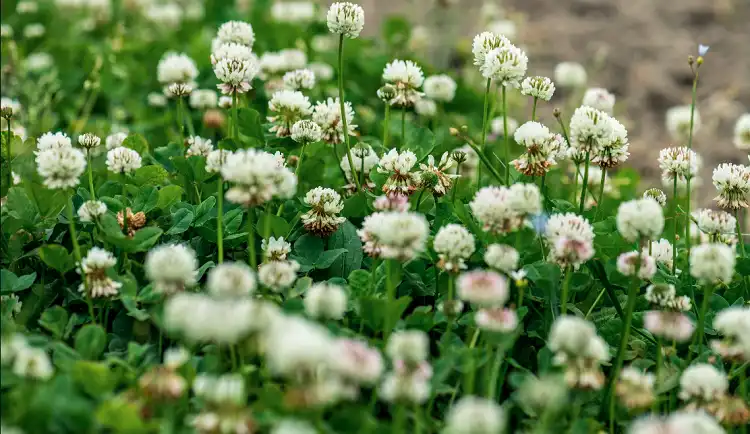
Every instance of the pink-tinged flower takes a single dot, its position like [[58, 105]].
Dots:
[[669, 325], [497, 319], [571, 252], [357, 362], [483, 287], [392, 202], [627, 262], [421, 370]]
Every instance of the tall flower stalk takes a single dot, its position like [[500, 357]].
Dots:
[[77, 253], [485, 122], [386, 125], [585, 183], [220, 217], [674, 233], [343, 112], [698, 63]]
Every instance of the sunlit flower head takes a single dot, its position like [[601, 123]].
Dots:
[[347, 19], [327, 114], [454, 244], [733, 183], [171, 268]]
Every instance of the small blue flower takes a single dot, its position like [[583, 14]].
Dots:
[[539, 223], [703, 49]]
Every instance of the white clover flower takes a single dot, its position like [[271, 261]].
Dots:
[[238, 32], [299, 79], [702, 382], [590, 130], [322, 71], [538, 87], [399, 235], [496, 319], [407, 388], [357, 362], [407, 77], [657, 195], [570, 238], [712, 263], [398, 166], [322, 219], [679, 162], [171, 268], [497, 126], [734, 323], [437, 178], [9, 107], [156, 100], [90, 143], [661, 251], [292, 426], [484, 43], [278, 275], [364, 159], [235, 75], [179, 90], [484, 288], [53, 141], [628, 262], [33, 363], [506, 65], [665, 296], [60, 167], [327, 114], [714, 222], [693, 422], [276, 249], [231, 50], [600, 99], [640, 219], [425, 107], [176, 68], [571, 335], [473, 415], [576, 346], [305, 132], [167, 15], [257, 177], [231, 279], [202, 99], [542, 148], [325, 301], [454, 244], [742, 132], [216, 160], [733, 183], [298, 347], [198, 146], [409, 346], [225, 102], [440, 88], [346, 19], [502, 257], [635, 388], [293, 12], [570, 74], [289, 107], [123, 160], [668, 325], [502, 210], [201, 318], [91, 210], [94, 270], [678, 122], [614, 151]]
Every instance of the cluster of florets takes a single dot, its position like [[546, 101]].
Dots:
[[543, 149], [394, 235], [323, 217], [570, 238], [257, 177], [504, 209], [580, 350]]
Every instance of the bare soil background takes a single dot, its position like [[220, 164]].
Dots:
[[642, 47]]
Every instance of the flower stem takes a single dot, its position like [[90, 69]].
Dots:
[[533, 109], [498, 363], [386, 125], [690, 146], [403, 127], [505, 133], [596, 302], [659, 363], [91, 176], [234, 130], [220, 217], [601, 192], [740, 240], [419, 200], [77, 253], [674, 234], [707, 290], [342, 104], [10, 166], [585, 183], [390, 286], [575, 184], [180, 120], [251, 240], [566, 286], [485, 122]]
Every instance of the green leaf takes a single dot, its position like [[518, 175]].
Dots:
[[150, 175], [57, 257], [94, 378], [396, 31], [113, 204], [327, 258], [132, 307], [9, 282], [743, 266], [359, 282], [90, 341], [278, 225], [121, 416], [168, 196], [232, 221], [136, 142], [356, 206], [308, 247], [144, 239], [203, 210], [346, 238], [202, 270], [54, 319], [374, 311], [181, 221], [147, 199], [49, 202], [250, 125], [19, 206], [421, 140]]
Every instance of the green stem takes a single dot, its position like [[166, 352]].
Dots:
[[8, 142], [470, 371], [419, 199], [694, 92], [674, 234], [234, 130], [601, 192], [533, 109], [707, 290], [400, 419], [251, 240], [507, 138], [485, 122], [596, 302], [740, 240], [455, 183], [499, 358], [220, 217], [189, 120], [566, 286], [575, 184], [390, 286], [91, 176], [386, 125], [403, 127], [543, 189], [301, 156], [343, 113], [483, 158], [659, 363], [77, 253], [180, 120], [585, 183]]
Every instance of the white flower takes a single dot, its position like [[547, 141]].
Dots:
[[502, 210], [440, 88], [600, 99], [497, 319], [94, 270], [238, 32], [702, 382], [398, 235], [665, 296], [230, 50], [176, 68], [570, 74], [322, 219], [407, 77], [179, 90], [289, 106], [9, 107], [661, 251], [33, 363], [60, 167], [733, 183], [657, 195], [538, 87], [327, 114], [734, 323], [668, 325], [346, 19], [257, 177], [410, 346], [198, 146], [38, 62], [628, 262], [614, 150], [714, 222], [305, 132], [407, 388], [712, 263], [225, 102], [326, 301], [497, 126], [570, 238], [168, 15], [322, 71], [437, 178], [176, 357], [356, 361], [276, 249], [590, 130], [278, 275], [742, 132], [295, 12], [216, 159], [225, 390], [635, 388], [473, 415], [298, 347], [399, 165], [299, 79], [90, 143], [678, 122], [486, 288], [200, 318], [506, 65], [502, 257], [53, 141], [454, 245], [571, 335], [34, 30], [425, 107], [692, 422], [203, 99], [542, 149], [231, 279], [364, 159], [91, 210], [171, 268], [123, 160], [640, 219], [679, 162], [156, 99], [235, 74], [291, 426], [484, 43], [115, 140]]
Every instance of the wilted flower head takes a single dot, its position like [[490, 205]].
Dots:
[[407, 77], [600, 99], [275, 249], [198, 146], [325, 301], [570, 74], [440, 88], [702, 382], [473, 415], [570, 238], [94, 268], [171, 268], [741, 132], [439, 173], [506, 65], [657, 195], [305, 132], [123, 160], [257, 177], [733, 183], [327, 114], [640, 219], [278, 275], [678, 122], [712, 263], [231, 280], [60, 167], [91, 210], [454, 244], [238, 32], [538, 87], [299, 79], [346, 19], [322, 219]]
